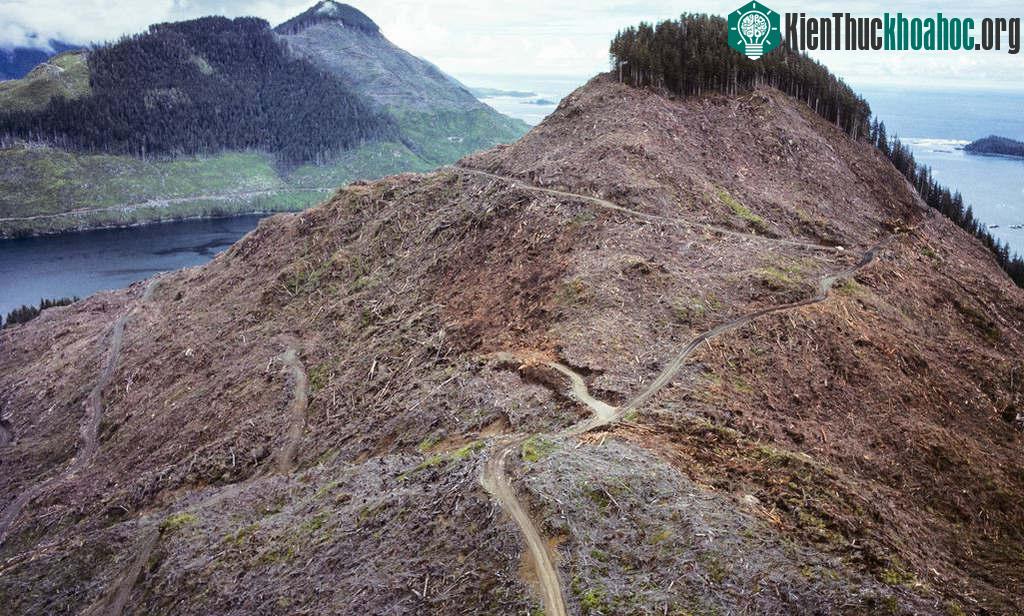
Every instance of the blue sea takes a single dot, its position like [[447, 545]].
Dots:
[[936, 124]]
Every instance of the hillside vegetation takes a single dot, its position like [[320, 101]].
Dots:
[[215, 116], [42, 189], [65, 75], [205, 86]]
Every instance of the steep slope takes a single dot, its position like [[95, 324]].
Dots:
[[436, 112], [161, 125], [644, 360], [16, 62], [65, 75]]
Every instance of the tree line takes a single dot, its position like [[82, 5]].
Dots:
[[25, 314], [938, 197], [204, 86], [688, 56]]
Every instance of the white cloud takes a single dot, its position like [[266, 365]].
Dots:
[[530, 37]]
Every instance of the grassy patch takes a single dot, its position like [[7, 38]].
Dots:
[[315, 523], [428, 443], [592, 598], [535, 448], [176, 521], [896, 575], [240, 536], [849, 286], [319, 377], [64, 75], [775, 278], [374, 160], [446, 136], [445, 459], [743, 211], [660, 536]]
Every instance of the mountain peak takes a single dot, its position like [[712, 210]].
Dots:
[[329, 11]]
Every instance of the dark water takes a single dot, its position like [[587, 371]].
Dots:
[[83, 263]]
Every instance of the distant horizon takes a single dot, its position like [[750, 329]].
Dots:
[[533, 37]]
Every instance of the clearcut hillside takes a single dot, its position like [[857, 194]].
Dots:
[[642, 361]]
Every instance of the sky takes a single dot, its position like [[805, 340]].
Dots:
[[565, 38]]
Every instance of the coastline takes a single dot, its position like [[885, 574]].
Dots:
[[147, 223], [1019, 157]]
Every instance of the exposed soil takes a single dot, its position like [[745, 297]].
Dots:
[[296, 410], [89, 427], [497, 483], [635, 324]]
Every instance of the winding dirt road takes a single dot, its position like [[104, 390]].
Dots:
[[495, 478], [608, 205], [495, 481], [88, 429], [672, 368], [296, 410]]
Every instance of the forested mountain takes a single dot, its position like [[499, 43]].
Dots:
[[205, 86], [216, 116], [440, 116], [16, 62]]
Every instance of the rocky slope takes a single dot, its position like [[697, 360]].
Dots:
[[441, 117], [643, 361]]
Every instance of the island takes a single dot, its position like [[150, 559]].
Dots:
[[996, 146], [493, 92]]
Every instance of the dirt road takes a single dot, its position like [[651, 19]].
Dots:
[[495, 478], [89, 428], [604, 203], [296, 410], [495, 481]]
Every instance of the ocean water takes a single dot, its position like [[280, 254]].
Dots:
[[86, 262], [936, 124], [546, 93]]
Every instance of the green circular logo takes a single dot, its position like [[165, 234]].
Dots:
[[754, 30]]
